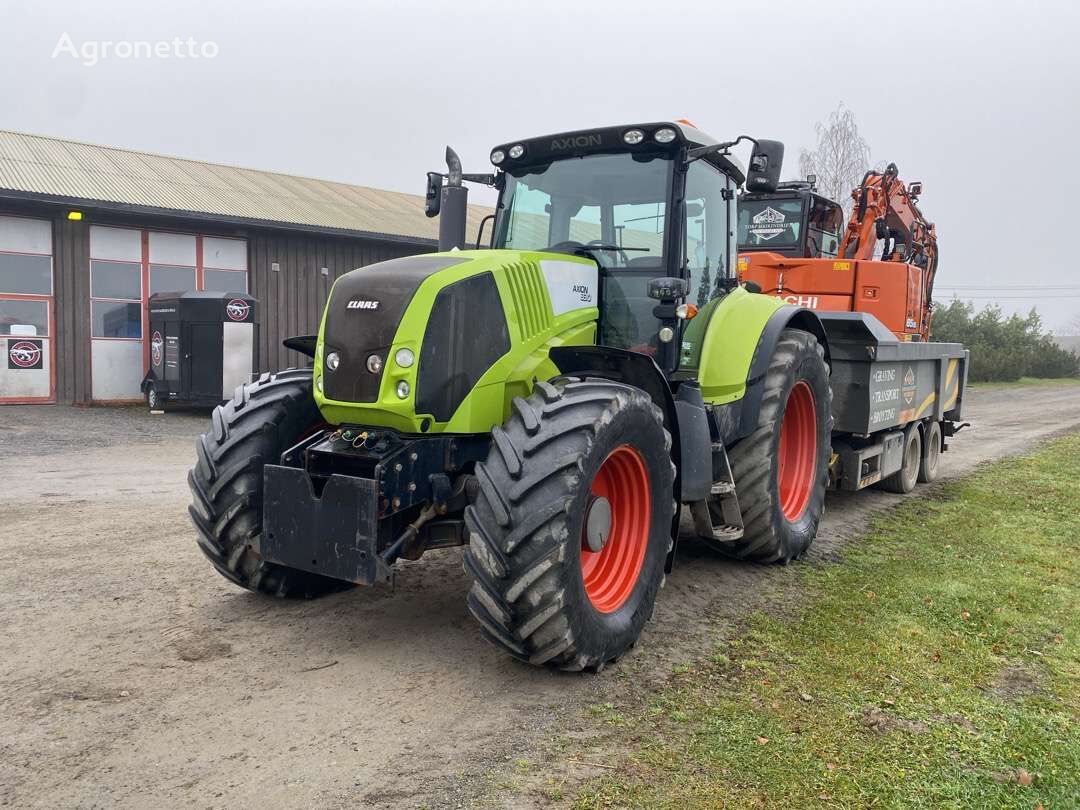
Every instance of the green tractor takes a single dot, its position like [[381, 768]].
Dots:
[[552, 401]]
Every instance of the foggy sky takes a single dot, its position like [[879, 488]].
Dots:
[[980, 101]]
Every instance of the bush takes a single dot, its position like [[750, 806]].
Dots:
[[1003, 348]]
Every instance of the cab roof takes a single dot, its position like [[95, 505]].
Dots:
[[578, 143]]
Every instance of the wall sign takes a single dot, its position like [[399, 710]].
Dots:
[[25, 354]]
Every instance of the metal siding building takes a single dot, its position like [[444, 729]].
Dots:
[[73, 291]]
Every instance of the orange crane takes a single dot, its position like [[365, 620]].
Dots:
[[791, 245]]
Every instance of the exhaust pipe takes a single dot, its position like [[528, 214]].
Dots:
[[453, 205]]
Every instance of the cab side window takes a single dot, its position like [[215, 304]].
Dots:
[[824, 228], [710, 230]]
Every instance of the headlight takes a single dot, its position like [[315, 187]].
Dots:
[[332, 361], [516, 151], [498, 156], [667, 334], [665, 135], [403, 389], [318, 383], [404, 357], [633, 136], [374, 364]]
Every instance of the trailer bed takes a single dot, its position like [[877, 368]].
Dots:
[[881, 385]]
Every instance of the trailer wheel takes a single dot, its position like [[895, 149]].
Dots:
[[931, 453], [572, 523], [903, 480], [254, 428], [781, 468]]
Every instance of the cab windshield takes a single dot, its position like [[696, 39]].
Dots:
[[611, 207], [612, 204]]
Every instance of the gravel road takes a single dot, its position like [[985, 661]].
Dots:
[[131, 674]]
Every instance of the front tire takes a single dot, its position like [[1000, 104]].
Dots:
[[781, 469], [253, 429], [572, 524]]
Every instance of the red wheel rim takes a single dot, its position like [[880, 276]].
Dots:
[[609, 575], [797, 454]]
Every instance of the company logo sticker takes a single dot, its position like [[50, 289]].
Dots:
[[155, 348], [24, 354], [909, 385], [768, 224], [237, 310], [358, 303]]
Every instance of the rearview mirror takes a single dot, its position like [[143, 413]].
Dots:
[[694, 210], [766, 161], [433, 196]]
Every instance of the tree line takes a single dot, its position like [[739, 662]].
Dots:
[[1003, 348]]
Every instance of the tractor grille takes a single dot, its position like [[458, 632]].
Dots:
[[530, 298]]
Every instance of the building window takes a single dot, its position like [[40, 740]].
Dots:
[[167, 278], [224, 264], [25, 274], [224, 280], [24, 318], [116, 280], [116, 283]]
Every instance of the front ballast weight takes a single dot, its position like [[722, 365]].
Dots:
[[347, 503]]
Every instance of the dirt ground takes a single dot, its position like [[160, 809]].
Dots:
[[131, 674]]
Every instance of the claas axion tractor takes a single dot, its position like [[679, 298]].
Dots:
[[556, 400]]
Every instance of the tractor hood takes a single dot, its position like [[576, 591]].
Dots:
[[438, 342], [362, 317]]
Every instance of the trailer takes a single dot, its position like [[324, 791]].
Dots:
[[202, 347]]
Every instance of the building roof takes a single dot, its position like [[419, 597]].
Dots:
[[69, 171]]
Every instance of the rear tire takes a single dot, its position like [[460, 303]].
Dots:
[[253, 429], [931, 453], [782, 495], [904, 479], [536, 592]]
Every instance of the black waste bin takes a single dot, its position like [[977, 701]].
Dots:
[[202, 346]]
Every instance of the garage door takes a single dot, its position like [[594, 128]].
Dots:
[[26, 310]]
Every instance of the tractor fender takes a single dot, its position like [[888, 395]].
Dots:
[[786, 317], [684, 413]]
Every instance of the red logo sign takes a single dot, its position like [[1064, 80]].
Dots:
[[155, 348], [25, 353], [237, 310]]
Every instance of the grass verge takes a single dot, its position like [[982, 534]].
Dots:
[[936, 666], [1029, 382]]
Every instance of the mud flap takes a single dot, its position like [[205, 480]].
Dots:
[[335, 535]]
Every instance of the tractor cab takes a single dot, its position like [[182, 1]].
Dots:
[[792, 221], [649, 203]]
